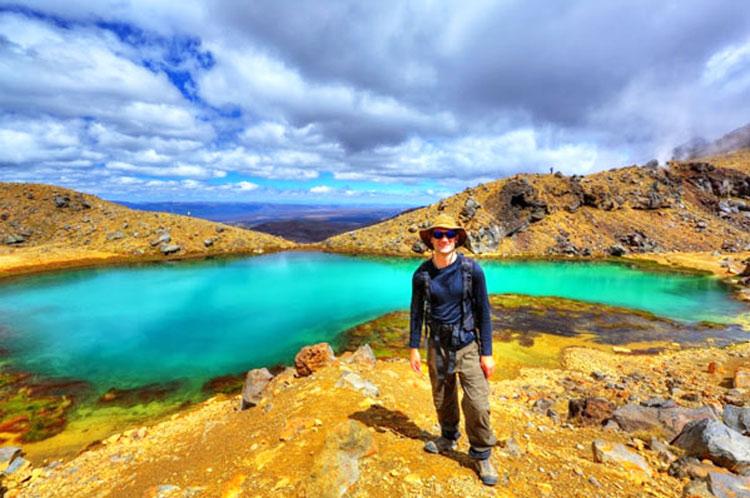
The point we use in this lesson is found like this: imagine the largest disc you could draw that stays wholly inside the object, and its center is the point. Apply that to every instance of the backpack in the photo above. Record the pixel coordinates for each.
(467, 312)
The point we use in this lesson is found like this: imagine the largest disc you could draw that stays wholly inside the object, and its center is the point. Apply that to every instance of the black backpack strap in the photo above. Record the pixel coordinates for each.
(467, 311)
(424, 279)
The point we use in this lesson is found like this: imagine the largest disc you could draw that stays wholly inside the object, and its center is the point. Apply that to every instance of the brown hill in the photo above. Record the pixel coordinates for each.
(686, 206)
(44, 227)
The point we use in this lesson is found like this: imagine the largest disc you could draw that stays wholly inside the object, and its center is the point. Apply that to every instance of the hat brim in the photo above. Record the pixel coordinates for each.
(426, 235)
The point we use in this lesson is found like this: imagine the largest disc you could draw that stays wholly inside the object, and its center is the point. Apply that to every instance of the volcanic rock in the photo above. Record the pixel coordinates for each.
(312, 358)
(726, 485)
(14, 239)
(363, 356)
(486, 239)
(418, 247)
(356, 382)
(615, 453)
(632, 417)
(163, 238)
(252, 391)
(712, 440)
(738, 418)
(590, 411)
(61, 201)
(469, 210)
(170, 248)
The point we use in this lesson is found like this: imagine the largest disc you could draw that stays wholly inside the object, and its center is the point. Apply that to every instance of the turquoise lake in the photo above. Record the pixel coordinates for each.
(128, 326)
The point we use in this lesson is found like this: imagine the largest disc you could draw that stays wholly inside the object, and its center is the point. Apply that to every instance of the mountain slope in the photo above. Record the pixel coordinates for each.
(44, 226)
(686, 206)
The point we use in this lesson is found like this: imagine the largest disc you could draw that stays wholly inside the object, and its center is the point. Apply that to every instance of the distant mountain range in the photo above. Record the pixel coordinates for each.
(297, 222)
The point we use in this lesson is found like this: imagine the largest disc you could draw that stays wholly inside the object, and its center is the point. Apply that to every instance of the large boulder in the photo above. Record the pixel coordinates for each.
(712, 440)
(669, 420)
(312, 358)
(255, 382)
(590, 411)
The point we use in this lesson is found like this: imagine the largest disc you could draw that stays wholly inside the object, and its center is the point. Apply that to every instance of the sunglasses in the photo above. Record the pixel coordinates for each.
(439, 234)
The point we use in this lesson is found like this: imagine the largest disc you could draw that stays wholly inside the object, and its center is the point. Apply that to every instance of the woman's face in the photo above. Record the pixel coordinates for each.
(444, 245)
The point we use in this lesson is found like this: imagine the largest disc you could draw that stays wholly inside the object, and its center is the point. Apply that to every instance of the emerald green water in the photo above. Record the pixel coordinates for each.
(129, 326)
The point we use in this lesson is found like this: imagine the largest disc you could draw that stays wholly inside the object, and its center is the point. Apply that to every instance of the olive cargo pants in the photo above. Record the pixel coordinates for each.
(475, 401)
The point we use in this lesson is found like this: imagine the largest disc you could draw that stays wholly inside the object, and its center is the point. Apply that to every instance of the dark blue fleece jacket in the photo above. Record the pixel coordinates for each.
(446, 293)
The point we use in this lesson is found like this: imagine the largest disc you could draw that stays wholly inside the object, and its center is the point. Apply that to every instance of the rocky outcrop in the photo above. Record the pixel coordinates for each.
(712, 440)
(516, 206)
(312, 358)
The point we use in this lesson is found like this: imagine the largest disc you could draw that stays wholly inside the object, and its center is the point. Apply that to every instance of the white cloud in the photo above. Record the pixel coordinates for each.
(321, 189)
(188, 170)
(247, 186)
(78, 72)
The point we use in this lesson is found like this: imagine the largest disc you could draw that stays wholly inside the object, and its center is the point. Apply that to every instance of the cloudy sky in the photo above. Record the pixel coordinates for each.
(356, 102)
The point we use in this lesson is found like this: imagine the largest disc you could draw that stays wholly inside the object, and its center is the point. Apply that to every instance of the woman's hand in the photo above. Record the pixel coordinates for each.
(415, 360)
(488, 365)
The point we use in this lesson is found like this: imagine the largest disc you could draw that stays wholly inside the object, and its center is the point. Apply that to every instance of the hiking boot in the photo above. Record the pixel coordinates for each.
(440, 445)
(487, 472)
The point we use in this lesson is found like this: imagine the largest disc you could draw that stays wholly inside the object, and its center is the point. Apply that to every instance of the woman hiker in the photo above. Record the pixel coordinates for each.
(449, 295)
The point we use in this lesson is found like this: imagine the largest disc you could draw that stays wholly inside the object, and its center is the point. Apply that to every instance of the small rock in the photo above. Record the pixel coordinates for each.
(170, 248)
(116, 235)
(742, 378)
(312, 358)
(418, 247)
(256, 381)
(14, 239)
(617, 250)
(7, 455)
(696, 489)
(363, 356)
(542, 405)
(690, 468)
(356, 382)
(208, 242)
(615, 453)
(61, 201)
(164, 238)
(726, 485)
(511, 447)
(738, 418)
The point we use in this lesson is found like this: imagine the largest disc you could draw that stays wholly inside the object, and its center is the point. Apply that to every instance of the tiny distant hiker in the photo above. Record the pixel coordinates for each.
(449, 296)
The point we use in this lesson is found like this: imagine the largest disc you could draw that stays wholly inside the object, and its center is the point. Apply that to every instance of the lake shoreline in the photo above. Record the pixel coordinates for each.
(42, 261)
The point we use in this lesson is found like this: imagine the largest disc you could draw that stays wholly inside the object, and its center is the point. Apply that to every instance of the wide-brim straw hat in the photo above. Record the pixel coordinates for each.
(443, 221)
